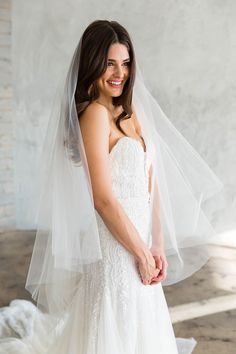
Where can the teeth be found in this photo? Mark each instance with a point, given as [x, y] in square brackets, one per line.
[115, 82]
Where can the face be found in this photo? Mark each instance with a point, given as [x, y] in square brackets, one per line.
[111, 83]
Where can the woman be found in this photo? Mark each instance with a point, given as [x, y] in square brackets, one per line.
[117, 303]
[103, 124]
[119, 197]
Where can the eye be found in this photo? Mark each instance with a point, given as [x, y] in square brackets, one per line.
[111, 64]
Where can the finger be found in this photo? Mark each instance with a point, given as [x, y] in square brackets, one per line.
[147, 282]
[164, 261]
[165, 265]
[158, 261]
[162, 276]
[157, 279]
[154, 282]
[156, 273]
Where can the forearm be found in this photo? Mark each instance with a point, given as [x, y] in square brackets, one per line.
[121, 227]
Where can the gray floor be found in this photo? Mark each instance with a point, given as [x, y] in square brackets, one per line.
[215, 333]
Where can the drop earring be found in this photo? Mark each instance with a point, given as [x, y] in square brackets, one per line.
[90, 89]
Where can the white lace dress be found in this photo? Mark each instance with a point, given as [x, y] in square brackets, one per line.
[113, 311]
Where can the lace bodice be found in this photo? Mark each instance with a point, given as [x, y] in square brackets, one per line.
[130, 169]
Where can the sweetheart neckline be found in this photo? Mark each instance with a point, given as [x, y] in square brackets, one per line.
[129, 137]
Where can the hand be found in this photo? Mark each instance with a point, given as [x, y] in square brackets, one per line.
[161, 263]
[147, 268]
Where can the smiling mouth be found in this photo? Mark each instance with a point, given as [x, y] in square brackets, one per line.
[115, 83]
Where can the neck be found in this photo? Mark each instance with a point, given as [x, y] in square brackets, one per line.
[106, 101]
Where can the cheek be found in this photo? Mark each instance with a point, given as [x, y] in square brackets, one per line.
[105, 77]
[127, 71]
[101, 82]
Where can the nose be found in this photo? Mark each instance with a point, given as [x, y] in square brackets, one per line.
[119, 72]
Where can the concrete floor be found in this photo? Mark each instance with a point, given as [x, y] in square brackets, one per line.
[214, 330]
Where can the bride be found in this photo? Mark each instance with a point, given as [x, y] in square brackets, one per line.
[119, 213]
[102, 132]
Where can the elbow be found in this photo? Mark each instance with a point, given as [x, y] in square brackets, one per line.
[103, 202]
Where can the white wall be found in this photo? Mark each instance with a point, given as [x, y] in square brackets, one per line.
[186, 50]
[6, 127]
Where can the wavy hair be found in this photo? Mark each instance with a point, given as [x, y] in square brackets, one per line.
[96, 41]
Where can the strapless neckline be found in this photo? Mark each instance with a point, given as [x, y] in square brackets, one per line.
[132, 139]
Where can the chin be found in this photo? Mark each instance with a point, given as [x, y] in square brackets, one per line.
[116, 94]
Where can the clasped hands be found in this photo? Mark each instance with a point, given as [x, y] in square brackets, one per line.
[154, 269]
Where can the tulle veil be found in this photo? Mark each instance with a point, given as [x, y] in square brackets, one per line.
[67, 239]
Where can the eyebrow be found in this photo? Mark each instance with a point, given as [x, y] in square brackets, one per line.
[128, 59]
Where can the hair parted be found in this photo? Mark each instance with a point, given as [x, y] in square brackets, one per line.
[96, 41]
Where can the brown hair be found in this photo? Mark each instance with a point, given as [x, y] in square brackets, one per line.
[96, 40]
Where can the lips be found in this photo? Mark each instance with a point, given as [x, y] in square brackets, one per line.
[115, 83]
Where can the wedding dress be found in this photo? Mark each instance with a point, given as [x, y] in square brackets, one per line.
[112, 311]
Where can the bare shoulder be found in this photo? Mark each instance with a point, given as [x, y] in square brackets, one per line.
[94, 120]
[94, 111]
[95, 131]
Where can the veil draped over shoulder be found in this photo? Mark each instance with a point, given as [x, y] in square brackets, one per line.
[67, 239]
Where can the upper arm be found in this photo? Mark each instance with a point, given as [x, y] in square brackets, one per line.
[95, 130]
[150, 173]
